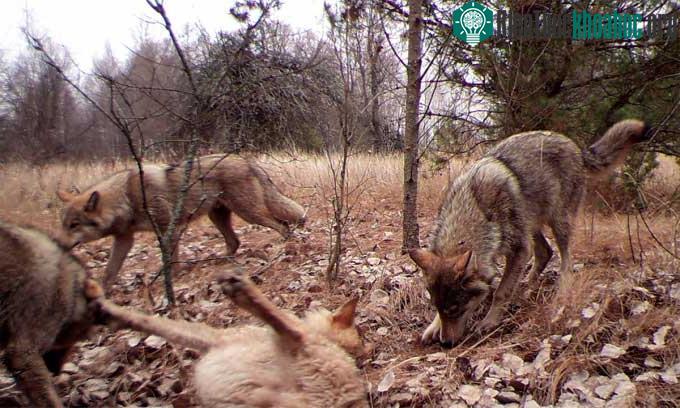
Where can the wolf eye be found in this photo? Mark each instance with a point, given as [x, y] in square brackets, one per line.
[461, 242]
[452, 311]
[74, 225]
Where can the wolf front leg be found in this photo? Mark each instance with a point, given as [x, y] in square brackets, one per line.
[514, 267]
[433, 331]
[121, 246]
[31, 374]
[243, 292]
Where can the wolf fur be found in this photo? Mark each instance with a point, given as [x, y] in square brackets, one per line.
[44, 294]
[292, 363]
[498, 208]
[220, 184]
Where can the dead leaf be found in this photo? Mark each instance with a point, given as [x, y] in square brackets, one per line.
[155, 342]
[612, 351]
[660, 336]
[373, 261]
[590, 311]
[641, 308]
[387, 381]
[470, 393]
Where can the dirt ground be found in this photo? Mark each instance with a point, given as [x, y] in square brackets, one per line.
[610, 339]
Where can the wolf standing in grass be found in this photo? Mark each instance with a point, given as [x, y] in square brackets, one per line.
[44, 295]
[220, 184]
[498, 208]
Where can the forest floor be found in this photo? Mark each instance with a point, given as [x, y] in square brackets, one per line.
[612, 339]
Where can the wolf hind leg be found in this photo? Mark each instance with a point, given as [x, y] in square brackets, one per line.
[221, 218]
[542, 255]
[258, 213]
[514, 267]
[245, 294]
[188, 334]
[32, 376]
[562, 231]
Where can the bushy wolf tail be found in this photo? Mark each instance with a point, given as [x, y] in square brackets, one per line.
[282, 208]
[611, 149]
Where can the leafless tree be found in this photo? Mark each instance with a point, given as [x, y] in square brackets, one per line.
[346, 50]
[191, 102]
[411, 157]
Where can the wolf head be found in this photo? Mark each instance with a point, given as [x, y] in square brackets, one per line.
[456, 290]
[83, 219]
[339, 328]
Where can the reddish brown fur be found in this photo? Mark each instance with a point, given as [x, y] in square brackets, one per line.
[220, 185]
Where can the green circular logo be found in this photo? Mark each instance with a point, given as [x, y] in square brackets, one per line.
[472, 22]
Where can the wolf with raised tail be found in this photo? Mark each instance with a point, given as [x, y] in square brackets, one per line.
[220, 184]
[288, 363]
[498, 208]
[44, 309]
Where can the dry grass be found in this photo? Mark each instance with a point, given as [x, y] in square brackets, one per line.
[619, 266]
[29, 192]
[661, 191]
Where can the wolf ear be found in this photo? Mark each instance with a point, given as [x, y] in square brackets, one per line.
[64, 196]
[343, 318]
[463, 261]
[423, 258]
[92, 202]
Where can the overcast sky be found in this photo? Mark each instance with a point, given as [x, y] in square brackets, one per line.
[86, 26]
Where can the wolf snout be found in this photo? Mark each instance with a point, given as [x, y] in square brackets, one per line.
[447, 344]
[65, 241]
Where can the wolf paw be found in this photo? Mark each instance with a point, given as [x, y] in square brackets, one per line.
[432, 333]
[488, 324]
[233, 281]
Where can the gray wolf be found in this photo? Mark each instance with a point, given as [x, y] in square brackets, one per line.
[44, 296]
[498, 209]
[220, 184]
[291, 363]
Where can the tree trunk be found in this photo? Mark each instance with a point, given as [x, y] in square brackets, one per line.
[373, 48]
[410, 220]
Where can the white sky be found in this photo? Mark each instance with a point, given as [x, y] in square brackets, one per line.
[86, 26]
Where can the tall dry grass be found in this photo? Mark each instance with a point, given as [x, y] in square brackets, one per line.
[29, 192]
[660, 191]
[379, 177]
